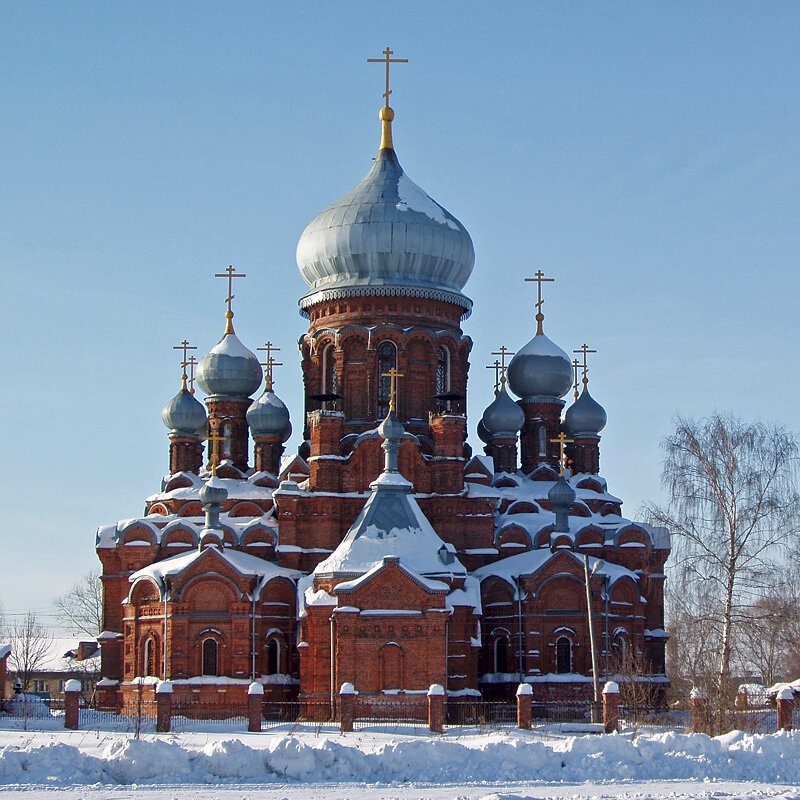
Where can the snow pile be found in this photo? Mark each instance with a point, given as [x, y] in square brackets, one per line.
[514, 756]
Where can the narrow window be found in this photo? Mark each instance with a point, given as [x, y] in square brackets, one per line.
[149, 657]
[443, 371]
[542, 441]
[387, 359]
[209, 657]
[563, 655]
[501, 655]
[329, 385]
[226, 432]
[274, 657]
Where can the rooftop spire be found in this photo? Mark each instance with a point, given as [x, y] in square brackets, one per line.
[576, 365]
[387, 113]
[269, 363]
[184, 346]
[584, 350]
[230, 274]
[503, 352]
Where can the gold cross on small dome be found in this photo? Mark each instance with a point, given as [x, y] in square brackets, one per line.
[184, 345]
[393, 375]
[230, 274]
[562, 442]
[585, 351]
[269, 363]
[214, 439]
[539, 278]
[387, 53]
[503, 352]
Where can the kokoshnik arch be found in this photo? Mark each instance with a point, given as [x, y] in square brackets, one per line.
[384, 553]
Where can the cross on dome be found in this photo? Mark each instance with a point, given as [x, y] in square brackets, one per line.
[502, 352]
[230, 274]
[214, 440]
[184, 346]
[393, 375]
[562, 442]
[387, 113]
[539, 279]
[191, 363]
[585, 351]
[387, 53]
[576, 365]
[496, 368]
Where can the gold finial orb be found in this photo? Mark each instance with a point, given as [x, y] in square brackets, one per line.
[386, 114]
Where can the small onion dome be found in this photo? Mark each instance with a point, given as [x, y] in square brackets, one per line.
[483, 434]
[385, 236]
[184, 415]
[541, 368]
[229, 369]
[562, 494]
[391, 428]
[585, 415]
[503, 417]
[213, 492]
[268, 416]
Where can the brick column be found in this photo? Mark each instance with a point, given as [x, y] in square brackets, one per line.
[347, 707]
[255, 696]
[785, 702]
[436, 708]
[163, 706]
[524, 706]
[611, 707]
[699, 703]
[72, 694]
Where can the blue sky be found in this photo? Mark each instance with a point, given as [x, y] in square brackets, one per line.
[645, 154]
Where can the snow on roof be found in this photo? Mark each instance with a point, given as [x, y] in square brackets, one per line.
[5, 649]
[237, 488]
[431, 585]
[243, 563]
[60, 655]
[391, 524]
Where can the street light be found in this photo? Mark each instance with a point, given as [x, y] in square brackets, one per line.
[599, 565]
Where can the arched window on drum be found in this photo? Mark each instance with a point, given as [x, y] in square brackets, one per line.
[563, 655]
[442, 370]
[329, 382]
[210, 665]
[387, 360]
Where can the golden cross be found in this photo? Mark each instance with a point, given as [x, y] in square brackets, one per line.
[585, 350]
[393, 374]
[503, 352]
[562, 442]
[213, 456]
[269, 363]
[184, 345]
[539, 279]
[230, 274]
[191, 364]
[496, 367]
[387, 60]
[576, 365]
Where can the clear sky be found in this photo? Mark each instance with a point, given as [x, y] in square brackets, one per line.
[645, 154]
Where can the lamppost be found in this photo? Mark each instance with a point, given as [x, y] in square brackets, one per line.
[595, 707]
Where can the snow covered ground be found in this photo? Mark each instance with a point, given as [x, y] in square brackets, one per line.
[501, 765]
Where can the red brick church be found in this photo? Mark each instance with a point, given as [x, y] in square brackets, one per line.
[384, 553]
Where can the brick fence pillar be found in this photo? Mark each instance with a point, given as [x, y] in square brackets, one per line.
[524, 706]
[72, 694]
[255, 696]
[347, 707]
[785, 702]
[436, 708]
[163, 706]
[699, 703]
[611, 707]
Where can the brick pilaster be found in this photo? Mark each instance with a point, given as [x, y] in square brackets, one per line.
[185, 454]
[611, 707]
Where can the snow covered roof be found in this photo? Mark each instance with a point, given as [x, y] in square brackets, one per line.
[5, 649]
[244, 563]
[60, 656]
[431, 585]
[391, 524]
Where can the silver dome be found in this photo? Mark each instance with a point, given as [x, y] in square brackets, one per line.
[585, 415]
[184, 415]
[483, 434]
[541, 368]
[268, 416]
[385, 236]
[229, 369]
[503, 417]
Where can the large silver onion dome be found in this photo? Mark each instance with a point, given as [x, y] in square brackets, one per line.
[503, 417]
[184, 415]
[541, 368]
[268, 416]
[385, 236]
[585, 415]
[229, 369]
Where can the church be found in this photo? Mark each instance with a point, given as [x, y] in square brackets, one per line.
[384, 553]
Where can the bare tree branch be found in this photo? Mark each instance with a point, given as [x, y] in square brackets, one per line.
[81, 608]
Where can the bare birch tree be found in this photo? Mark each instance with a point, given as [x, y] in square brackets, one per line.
[732, 507]
[82, 606]
[30, 645]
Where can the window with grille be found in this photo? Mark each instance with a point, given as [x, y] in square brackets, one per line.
[387, 360]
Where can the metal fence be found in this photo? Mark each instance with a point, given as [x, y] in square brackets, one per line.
[391, 714]
[480, 713]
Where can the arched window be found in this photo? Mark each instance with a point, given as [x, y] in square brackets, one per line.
[387, 359]
[210, 657]
[542, 441]
[620, 652]
[149, 654]
[563, 655]
[391, 659]
[226, 447]
[501, 654]
[274, 657]
[329, 383]
[443, 371]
